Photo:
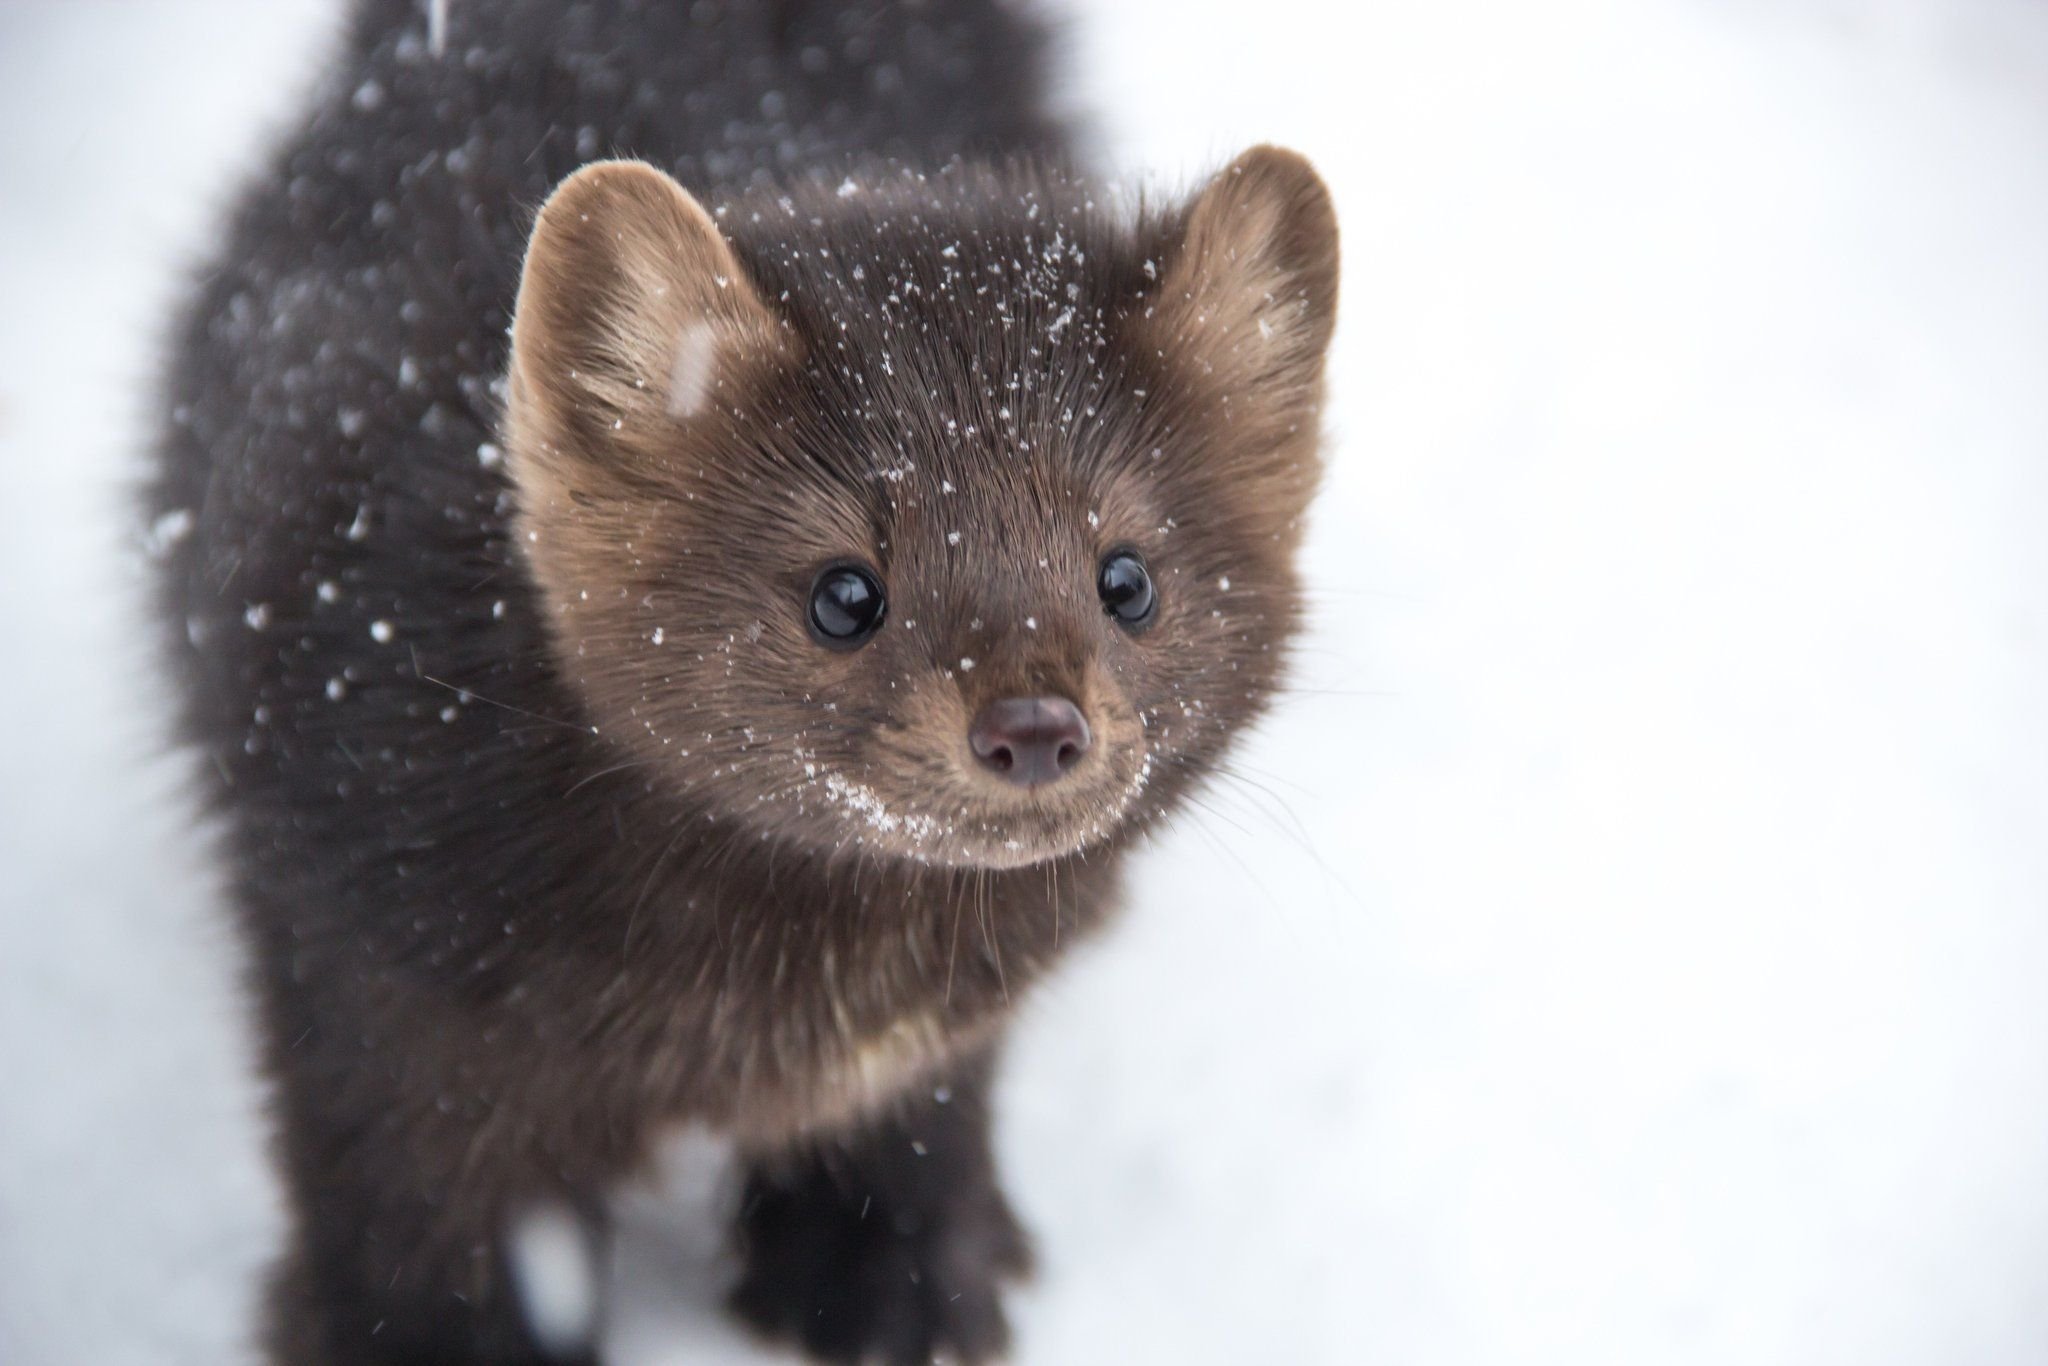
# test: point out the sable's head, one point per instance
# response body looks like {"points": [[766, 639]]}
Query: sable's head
{"points": [[946, 518]]}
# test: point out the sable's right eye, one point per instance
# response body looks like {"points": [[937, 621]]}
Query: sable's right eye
{"points": [[1125, 587], [847, 606]]}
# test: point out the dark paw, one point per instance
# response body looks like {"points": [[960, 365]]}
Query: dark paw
{"points": [[853, 1281]]}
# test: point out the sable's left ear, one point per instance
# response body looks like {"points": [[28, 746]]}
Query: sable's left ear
{"points": [[634, 321], [1250, 292]]}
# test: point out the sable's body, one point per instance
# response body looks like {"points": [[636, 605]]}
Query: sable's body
{"points": [[549, 829]]}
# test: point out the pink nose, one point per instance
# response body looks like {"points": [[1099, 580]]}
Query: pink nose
{"points": [[1029, 741]]}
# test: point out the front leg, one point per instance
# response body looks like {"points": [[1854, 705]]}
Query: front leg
{"points": [[891, 1243], [428, 1244]]}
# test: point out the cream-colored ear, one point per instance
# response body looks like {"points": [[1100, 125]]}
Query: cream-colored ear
{"points": [[1250, 291], [634, 319]]}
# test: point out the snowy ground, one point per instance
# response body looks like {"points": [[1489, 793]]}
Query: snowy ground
{"points": [[1636, 951]]}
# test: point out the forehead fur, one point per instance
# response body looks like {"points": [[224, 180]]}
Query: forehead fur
{"points": [[948, 316]]}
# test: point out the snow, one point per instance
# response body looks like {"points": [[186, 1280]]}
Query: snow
{"points": [[694, 370], [167, 530], [1624, 947], [555, 1269], [864, 802]]}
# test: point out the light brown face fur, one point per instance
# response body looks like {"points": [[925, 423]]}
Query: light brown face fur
{"points": [[977, 404]]}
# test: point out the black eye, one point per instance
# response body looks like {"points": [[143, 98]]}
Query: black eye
{"points": [[847, 606], [1125, 586]]}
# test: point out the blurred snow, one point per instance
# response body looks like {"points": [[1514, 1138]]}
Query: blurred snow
{"points": [[1628, 946]]}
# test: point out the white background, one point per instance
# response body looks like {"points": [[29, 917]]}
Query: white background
{"points": [[1630, 945]]}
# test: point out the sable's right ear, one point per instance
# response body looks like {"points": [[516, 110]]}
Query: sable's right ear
{"points": [[1250, 289], [634, 318]]}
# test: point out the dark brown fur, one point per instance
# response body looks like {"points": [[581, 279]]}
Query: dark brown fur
{"points": [[552, 828]]}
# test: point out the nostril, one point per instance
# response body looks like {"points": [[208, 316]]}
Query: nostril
{"points": [[1029, 740]]}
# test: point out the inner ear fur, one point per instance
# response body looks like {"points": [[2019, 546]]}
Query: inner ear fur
{"points": [[1249, 291], [634, 320]]}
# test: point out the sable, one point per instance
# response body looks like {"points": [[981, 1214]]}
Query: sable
{"points": [[693, 656]]}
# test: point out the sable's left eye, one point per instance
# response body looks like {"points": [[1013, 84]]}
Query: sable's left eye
{"points": [[847, 606], [1125, 587]]}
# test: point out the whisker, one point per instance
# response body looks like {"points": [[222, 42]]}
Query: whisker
{"points": [[1203, 805], [521, 711], [653, 871], [953, 945], [1290, 690], [1052, 880], [606, 772], [1229, 772], [984, 912]]}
